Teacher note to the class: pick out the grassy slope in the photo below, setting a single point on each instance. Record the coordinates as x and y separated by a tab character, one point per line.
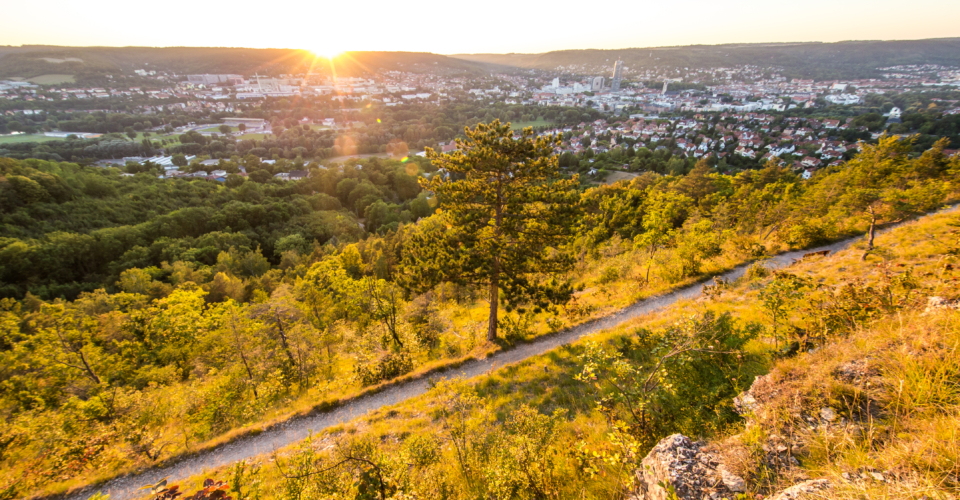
920	350
466	337
19	138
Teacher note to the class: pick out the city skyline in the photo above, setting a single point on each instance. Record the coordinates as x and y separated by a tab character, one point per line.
432	26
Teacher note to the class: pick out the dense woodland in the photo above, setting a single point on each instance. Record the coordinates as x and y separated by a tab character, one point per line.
821	61
100	65
145	319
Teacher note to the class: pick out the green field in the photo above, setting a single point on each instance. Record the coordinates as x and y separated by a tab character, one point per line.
540	122
51	79
157	137
256	137
216	129
15	139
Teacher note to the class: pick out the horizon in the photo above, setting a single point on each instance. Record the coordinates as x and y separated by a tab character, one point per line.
431	26
450	54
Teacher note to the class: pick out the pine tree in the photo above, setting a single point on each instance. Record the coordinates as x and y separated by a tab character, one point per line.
505	212
883	185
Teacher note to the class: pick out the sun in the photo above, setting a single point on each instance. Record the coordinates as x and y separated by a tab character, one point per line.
327	52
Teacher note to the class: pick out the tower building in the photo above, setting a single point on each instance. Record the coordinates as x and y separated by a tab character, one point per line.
597	85
617	75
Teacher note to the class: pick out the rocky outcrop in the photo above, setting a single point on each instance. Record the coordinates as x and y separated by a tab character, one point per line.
689	469
807	490
694	471
935	304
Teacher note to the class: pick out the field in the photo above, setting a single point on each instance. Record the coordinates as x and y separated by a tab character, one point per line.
256	137
216	129
539	122
155	136
51	79
16	139
613	177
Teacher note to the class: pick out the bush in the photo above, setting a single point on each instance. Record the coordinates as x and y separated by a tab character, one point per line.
807	234
609	275
388	366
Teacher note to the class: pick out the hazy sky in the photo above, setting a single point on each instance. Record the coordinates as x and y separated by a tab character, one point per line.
457	27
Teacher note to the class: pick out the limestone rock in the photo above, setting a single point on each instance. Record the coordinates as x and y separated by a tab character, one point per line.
935	304
828	414
732	481
807	490
750	401
686	467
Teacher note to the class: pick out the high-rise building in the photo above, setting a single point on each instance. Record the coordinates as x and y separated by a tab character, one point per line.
597	84
556	82
617	75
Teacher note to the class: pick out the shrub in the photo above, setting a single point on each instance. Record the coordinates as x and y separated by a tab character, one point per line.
388	366
609	275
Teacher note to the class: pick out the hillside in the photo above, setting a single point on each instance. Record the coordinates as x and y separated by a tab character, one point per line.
867	409
853	59
91	62
230	308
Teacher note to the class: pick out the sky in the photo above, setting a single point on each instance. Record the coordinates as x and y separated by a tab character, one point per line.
493	26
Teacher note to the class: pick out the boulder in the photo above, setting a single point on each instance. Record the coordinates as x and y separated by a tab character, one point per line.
686	468
750	402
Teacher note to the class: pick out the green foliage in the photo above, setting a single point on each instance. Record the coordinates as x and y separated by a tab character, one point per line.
507	210
780	295
200	308
658	381
390	365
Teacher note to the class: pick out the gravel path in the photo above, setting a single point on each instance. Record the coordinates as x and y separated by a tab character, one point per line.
299	428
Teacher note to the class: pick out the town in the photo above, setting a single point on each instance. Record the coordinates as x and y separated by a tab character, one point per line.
737	117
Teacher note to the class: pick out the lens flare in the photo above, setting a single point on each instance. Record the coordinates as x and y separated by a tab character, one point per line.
328	53
378	120
404	159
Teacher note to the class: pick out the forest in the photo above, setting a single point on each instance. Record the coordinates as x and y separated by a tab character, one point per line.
98	65
820	61
145	320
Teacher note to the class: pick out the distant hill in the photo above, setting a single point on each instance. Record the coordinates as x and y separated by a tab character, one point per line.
855	59
92	62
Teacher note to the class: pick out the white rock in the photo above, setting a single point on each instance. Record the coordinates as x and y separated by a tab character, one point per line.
828	414
802	490
732	481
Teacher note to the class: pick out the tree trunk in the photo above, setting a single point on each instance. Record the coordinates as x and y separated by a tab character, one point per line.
283	337
89	370
871	234
236	338
494	302
495	275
